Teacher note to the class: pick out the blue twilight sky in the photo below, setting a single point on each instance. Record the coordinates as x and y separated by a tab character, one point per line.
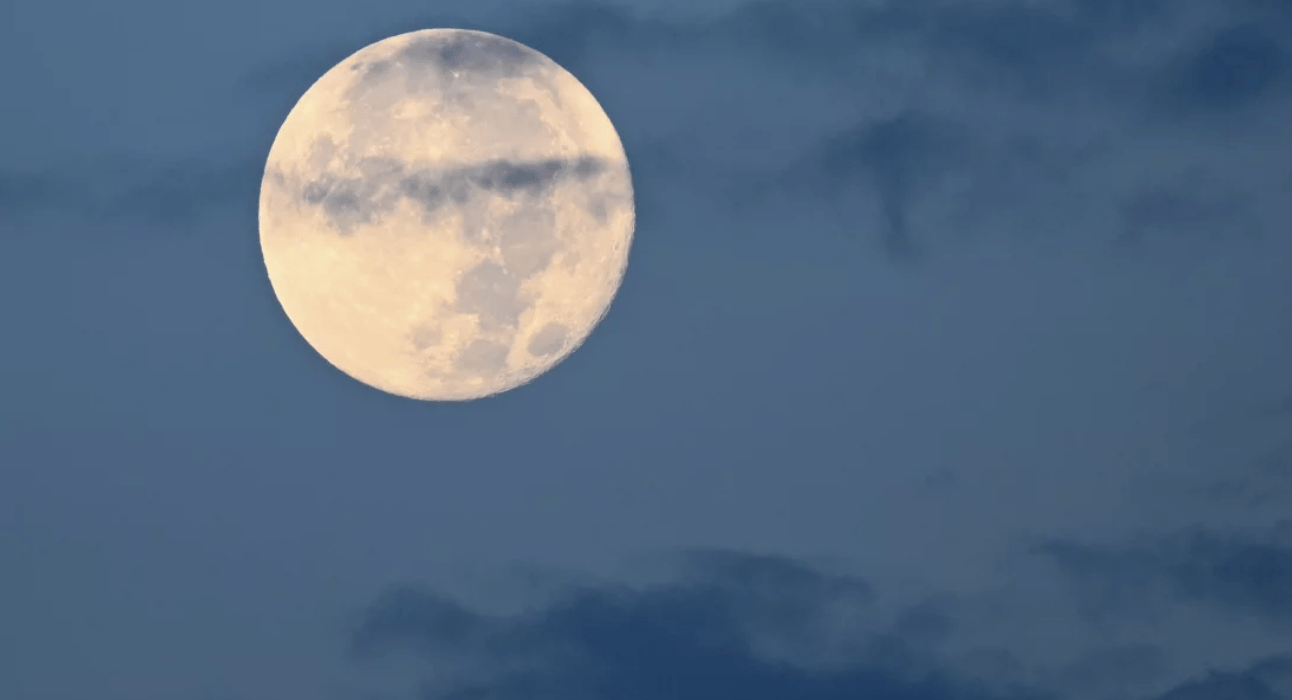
953	362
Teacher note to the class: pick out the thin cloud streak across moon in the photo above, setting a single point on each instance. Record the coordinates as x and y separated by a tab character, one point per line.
446	214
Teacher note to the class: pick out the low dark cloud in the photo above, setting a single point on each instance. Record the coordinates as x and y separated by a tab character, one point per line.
1247	573
699	637
1268	679
1233	68
1113	669
751	626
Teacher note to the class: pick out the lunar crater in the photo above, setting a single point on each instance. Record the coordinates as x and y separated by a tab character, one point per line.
492	294
548	340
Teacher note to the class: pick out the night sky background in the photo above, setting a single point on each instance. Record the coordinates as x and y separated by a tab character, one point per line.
953	362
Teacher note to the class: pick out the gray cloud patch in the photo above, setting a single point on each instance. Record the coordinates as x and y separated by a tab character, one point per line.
348	202
385	182
1233	68
1196	204
895	156
1117	668
692	639
716	631
533	177
415	617
1268	679
1248	573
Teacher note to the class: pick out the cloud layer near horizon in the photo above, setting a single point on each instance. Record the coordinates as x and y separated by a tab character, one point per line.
753	627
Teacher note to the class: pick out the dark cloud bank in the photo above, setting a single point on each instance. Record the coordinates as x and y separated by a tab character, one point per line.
694	638
753	627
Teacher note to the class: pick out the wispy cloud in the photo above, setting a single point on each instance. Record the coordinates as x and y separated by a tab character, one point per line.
924	121
132	189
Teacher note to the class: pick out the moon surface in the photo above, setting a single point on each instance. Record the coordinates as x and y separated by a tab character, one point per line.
446	214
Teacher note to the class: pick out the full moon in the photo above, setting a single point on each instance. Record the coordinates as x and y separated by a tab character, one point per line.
446	214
